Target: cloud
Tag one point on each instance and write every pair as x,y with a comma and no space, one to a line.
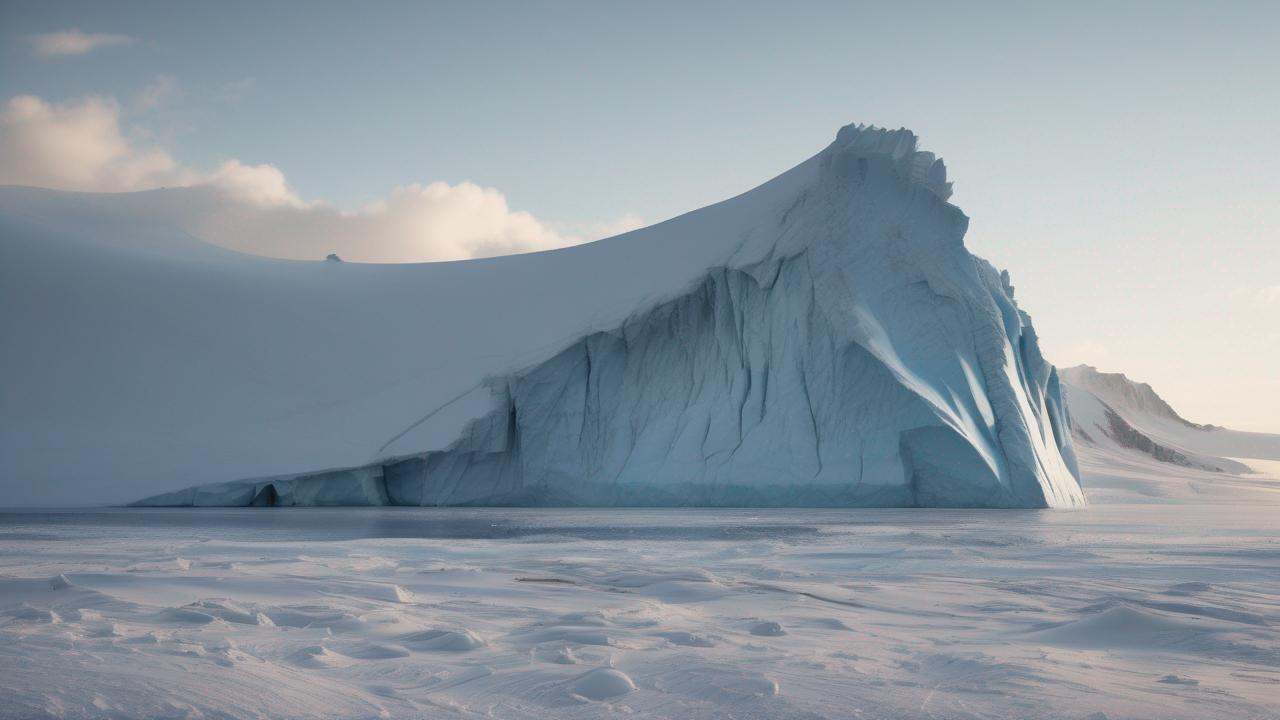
252,208
79,146
262,186
74,42
157,93
243,209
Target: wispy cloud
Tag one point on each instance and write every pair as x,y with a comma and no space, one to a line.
74,42
158,93
252,208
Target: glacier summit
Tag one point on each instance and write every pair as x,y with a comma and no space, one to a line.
847,350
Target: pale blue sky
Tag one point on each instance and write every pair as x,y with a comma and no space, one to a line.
1119,159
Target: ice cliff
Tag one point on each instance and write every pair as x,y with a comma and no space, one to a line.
841,348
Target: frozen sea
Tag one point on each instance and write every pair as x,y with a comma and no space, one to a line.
1126,609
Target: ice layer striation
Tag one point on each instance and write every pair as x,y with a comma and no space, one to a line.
842,348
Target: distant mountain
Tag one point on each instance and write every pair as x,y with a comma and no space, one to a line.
1120,392
1095,422
1111,413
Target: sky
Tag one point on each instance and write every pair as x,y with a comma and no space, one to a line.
1119,159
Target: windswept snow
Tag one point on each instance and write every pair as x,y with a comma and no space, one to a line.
822,340
1161,600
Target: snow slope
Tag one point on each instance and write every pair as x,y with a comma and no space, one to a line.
824,339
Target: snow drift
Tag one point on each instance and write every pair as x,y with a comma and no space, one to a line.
823,340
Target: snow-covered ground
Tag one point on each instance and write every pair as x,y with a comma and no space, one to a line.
1162,599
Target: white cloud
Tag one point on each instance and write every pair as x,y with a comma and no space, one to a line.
412,224
78,147
74,42
252,208
260,185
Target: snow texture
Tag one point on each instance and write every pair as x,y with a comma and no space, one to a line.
1161,601
823,340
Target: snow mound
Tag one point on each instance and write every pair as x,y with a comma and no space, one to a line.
317,657
1121,627
30,613
380,652
602,684
822,340
387,592
768,629
686,639
442,640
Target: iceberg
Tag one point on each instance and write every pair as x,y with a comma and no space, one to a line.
823,340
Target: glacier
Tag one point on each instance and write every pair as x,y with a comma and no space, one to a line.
849,353
824,339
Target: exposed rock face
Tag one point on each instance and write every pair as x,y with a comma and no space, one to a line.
849,352
1126,436
1111,413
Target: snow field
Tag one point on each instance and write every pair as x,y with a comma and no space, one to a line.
1164,609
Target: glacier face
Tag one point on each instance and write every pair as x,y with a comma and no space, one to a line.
844,349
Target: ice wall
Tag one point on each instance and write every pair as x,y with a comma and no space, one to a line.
849,351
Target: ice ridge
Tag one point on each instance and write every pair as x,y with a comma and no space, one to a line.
850,352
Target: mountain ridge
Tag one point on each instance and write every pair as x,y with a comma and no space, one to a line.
1127,393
